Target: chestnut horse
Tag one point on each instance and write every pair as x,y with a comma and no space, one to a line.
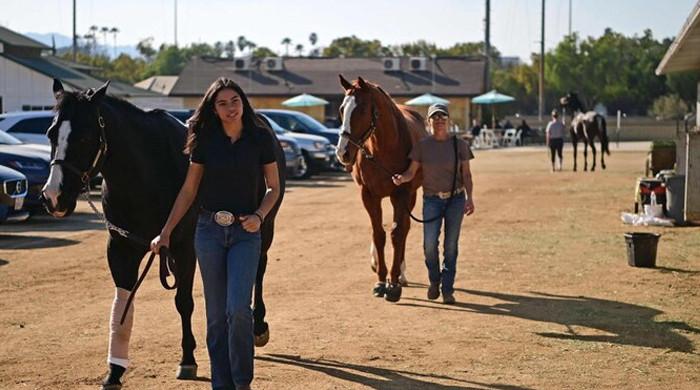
376,137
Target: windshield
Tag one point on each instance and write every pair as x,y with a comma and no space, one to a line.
6,139
310,123
275,126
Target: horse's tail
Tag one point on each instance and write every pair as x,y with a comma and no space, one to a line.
603,133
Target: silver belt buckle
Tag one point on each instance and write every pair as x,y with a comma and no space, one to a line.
224,218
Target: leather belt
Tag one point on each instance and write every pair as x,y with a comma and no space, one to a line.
447,194
222,218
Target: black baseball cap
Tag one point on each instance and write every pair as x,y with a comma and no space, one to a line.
438,107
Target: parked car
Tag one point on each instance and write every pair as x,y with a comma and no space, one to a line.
32,163
298,122
318,154
294,160
13,190
28,126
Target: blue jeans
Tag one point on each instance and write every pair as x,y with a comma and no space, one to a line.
432,207
228,261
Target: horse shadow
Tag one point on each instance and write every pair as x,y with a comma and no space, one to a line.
381,378
623,323
20,242
3,262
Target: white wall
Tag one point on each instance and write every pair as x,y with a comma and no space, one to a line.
22,86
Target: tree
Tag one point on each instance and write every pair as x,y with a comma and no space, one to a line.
114,31
262,52
230,49
313,38
353,46
286,42
669,107
299,49
145,48
242,43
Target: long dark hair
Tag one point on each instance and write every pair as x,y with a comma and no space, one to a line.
204,119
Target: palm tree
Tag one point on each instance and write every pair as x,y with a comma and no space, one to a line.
93,35
242,43
251,47
104,30
286,42
313,38
114,32
299,49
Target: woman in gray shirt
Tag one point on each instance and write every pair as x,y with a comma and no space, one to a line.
442,200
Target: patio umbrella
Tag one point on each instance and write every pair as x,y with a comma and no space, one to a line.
426,99
492,97
304,100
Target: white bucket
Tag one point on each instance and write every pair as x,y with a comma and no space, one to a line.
654,210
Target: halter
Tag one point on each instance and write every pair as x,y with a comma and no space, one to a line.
97,163
366,135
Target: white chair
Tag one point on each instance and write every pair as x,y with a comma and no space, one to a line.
512,137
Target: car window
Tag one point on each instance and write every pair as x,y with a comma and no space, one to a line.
32,125
310,124
6,139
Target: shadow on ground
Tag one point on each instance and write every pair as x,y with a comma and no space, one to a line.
625,323
17,241
381,378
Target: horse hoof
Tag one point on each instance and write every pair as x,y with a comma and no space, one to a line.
403,281
379,289
393,292
187,371
111,386
261,340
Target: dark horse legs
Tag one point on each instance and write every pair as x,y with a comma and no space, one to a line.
260,328
124,258
373,206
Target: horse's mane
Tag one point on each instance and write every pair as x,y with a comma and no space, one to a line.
82,96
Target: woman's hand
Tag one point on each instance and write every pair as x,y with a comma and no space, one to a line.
162,240
397,179
469,207
251,223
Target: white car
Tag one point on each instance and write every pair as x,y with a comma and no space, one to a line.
28,126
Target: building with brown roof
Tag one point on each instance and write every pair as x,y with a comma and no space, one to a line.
270,81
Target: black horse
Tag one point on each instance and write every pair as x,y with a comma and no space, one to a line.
585,125
139,154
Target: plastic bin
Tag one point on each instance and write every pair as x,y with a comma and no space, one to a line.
641,249
675,198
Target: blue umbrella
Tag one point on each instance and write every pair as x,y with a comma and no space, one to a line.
304,100
492,97
427,100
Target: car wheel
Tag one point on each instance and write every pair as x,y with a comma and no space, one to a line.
304,170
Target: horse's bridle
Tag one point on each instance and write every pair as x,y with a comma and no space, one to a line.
97,163
365,136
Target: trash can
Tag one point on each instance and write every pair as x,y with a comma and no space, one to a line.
641,249
675,198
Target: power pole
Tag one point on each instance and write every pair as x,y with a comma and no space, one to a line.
487,46
75,36
541,97
175,17
570,17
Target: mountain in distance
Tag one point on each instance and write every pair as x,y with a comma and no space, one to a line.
64,42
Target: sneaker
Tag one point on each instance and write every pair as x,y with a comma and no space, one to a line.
448,298
434,291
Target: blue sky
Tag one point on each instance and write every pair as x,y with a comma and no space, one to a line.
514,26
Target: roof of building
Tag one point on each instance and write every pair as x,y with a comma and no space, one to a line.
63,70
159,84
10,37
684,52
454,76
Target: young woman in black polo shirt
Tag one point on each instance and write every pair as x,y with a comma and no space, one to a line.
229,146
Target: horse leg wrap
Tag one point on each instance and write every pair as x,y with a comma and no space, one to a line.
119,334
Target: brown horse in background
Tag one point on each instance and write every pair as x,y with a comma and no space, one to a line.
376,137
585,125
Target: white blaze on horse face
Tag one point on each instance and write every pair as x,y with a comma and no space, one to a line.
52,189
348,105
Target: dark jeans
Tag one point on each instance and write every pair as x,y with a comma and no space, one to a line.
433,206
556,145
228,261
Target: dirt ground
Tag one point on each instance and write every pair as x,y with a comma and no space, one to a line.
546,299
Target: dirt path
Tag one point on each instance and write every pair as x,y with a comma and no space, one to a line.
546,299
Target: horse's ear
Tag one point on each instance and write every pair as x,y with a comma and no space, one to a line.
57,88
100,92
345,83
361,82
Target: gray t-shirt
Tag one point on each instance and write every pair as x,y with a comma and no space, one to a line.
437,159
555,129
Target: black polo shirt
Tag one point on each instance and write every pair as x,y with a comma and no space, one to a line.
232,171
